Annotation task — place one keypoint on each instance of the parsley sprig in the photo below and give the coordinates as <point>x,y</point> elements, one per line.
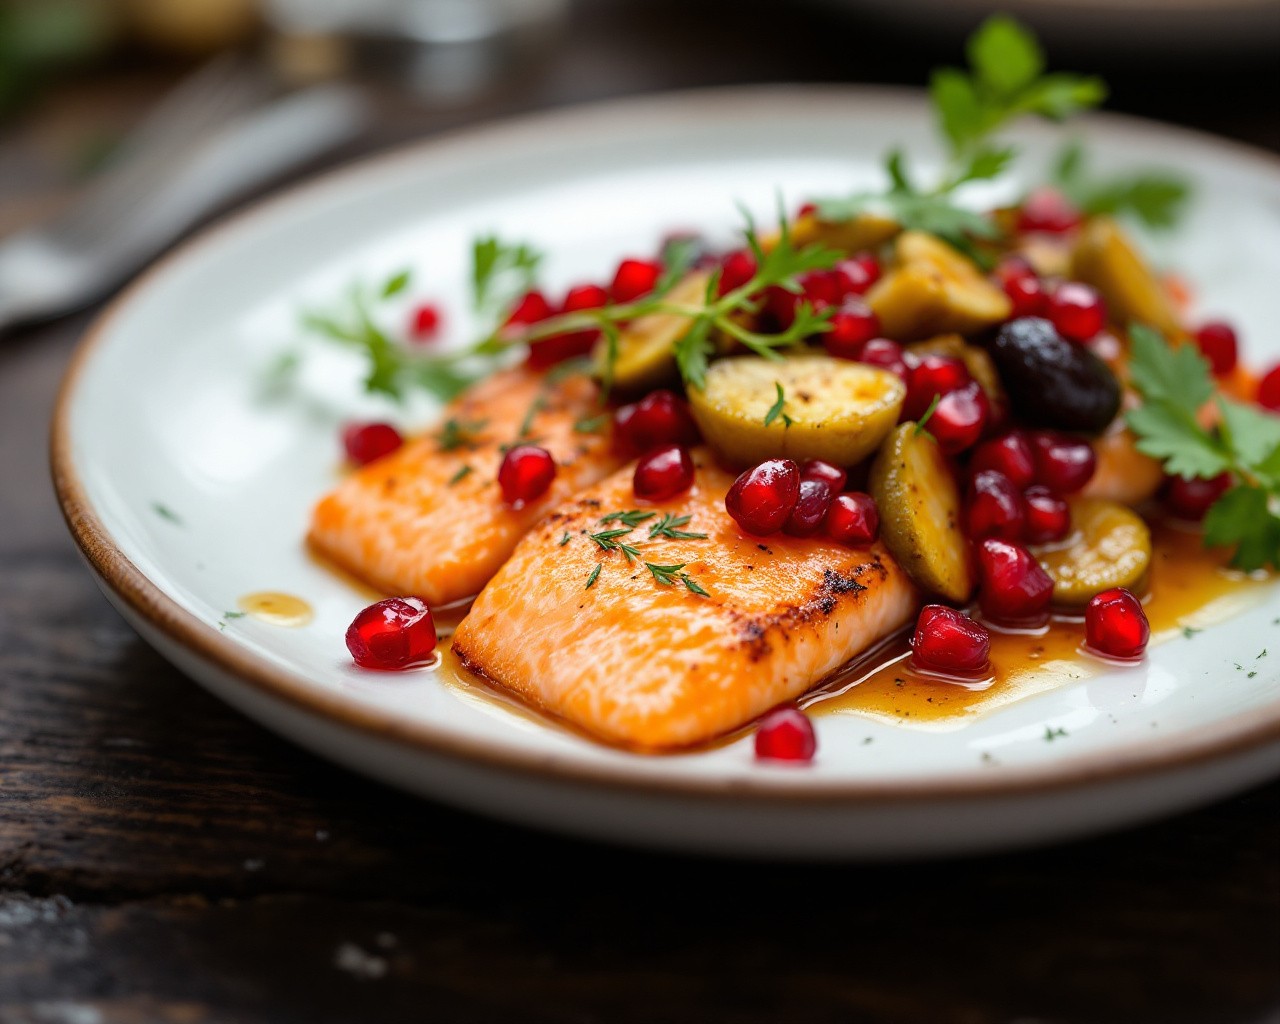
<point>1175,384</point>
<point>500,271</point>
<point>1156,198</point>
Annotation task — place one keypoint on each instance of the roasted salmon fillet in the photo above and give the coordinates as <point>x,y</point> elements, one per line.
<point>428,520</point>
<point>649,664</point>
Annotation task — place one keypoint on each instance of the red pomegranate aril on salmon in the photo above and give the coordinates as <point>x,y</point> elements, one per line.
<point>932,376</point>
<point>949,642</point>
<point>1116,626</point>
<point>1269,390</point>
<point>1190,498</point>
<point>887,355</point>
<point>663,473</point>
<point>1009,454</point>
<point>1048,211</point>
<point>634,279</point>
<point>853,519</point>
<point>811,508</point>
<point>1063,464</point>
<point>557,348</point>
<point>393,634</point>
<point>525,474</point>
<point>850,328</point>
<point>660,417</point>
<point>1015,590</point>
<point>1076,311</point>
<point>858,273</point>
<point>1048,516</point>
<point>959,418</point>
<point>761,499</point>
<point>424,323</point>
<point>785,734</point>
<point>1218,344</point>
<point>833,476</point>
<point>365,442</point>
<point>736,269</point>
<point>994,507</point>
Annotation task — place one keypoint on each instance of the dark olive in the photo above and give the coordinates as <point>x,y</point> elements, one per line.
<point>1052,382</point>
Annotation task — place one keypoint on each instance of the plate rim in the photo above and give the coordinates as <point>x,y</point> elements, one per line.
<point>1238,734</point>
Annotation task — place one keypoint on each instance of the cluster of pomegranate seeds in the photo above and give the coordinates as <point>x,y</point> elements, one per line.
<point>1063,464</point>
<point>950,642</point>
<point>531,308</point>
<point>534,308</point>
<point>886,354</point>
<point>660,417</point>
<point>736,269</point>
<point>663,473</point>
<point>853,519</point>
<point>1048,515</point>
<point>1015,589</point>
<point>525,474</point>
<point>634,279</point>
<point>833,476</point>
<point>365,442</point>
<point>1190,498</point>
<point>1115,625</point>
<point>761,499</point>
<point>1218,343</point>
<point>994,507</point>
<point>1269,390</point>
<point>1076,311</point>
<point>1047,211</point>
<point>814,500</point>
<point>392,634</point>
<point>841,287</point>
<point>852,325</point>
<point>1009,454</point>
<point>932,375</point>
<point>786,734</point>
<point>1023,287</point>
<point>424,323</point>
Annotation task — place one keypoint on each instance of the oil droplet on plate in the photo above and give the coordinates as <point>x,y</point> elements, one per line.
<point>276,609</point>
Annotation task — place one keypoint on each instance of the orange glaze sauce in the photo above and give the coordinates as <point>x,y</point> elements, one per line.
<point>1189,588</point>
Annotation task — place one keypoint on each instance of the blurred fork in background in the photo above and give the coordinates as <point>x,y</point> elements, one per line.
<point>221,132</point>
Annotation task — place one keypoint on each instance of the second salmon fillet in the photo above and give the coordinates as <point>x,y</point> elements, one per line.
<point>649,665</point>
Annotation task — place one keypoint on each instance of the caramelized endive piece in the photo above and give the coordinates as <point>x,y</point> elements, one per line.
<point>429,519</point>
<point>645,665</point>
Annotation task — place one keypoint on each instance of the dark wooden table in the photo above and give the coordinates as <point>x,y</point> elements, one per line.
<point>163,859</point>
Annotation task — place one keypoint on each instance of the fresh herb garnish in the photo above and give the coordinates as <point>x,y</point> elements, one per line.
<point>526,424</point>
<point>669,526</point>
<point>395,284</point>
<point>631,517</point>
<point>564,540</point>
<point>775,410</point>
<point>1052,734</point>
<point>1156,198</point>
<point>669,575</point>
<point>164,512</point>
<point>592,424</point>
<point>1175,383</point>
<point>595,575</point>
<point>928,415</point>
<point>463,472</point>
<point>501,270</point>
<point>455,433</point>
<point>607,540</point>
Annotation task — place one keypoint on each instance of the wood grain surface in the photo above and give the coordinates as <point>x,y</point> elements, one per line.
<point>164,859</point>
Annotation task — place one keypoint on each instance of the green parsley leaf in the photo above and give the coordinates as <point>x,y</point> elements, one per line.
<point>1005,57</point>
<point>775,410</point>
<point>501,270</point>
<point>1244,517</point>
<point>396,284</point>
<point>1155,198</point>
<point>1179,376</point>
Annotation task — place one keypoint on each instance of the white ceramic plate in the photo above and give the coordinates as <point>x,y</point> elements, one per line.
<point>166,406</point>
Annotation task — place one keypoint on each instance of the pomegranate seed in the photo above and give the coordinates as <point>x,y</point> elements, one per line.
<point>1022,286</point>
<point>806,210</point>
<point>1269,390</point>
<point>1190,498</point>
<point>811,508</point>
<point>1047,211</point>
<point>1217,340</point>
<point>661,417</point>
<point>785,734</point>
<point>959,418</point>
<point>634,279</point>
<point>424,325</point>
<point>948,641</point>
<point>887,355</point>
<point>736,269</point>
<point>1015,589</point>
<point>834,476</point>
<point>1115,625</point>
<point>857,274</point>
<point>584,296</point>
<point>558,347</point>
<point>1010,454</point>
<point>994,507</point>
<point>663,473</point>
<point>1048,516</point>
<point>781,306</point>
<point>1076,311</point>
<point>822,288</point>
<point>1063,464</point>
<point>392,634</point>
<point>933,375</point>
<point>852,326</point>
<point>525,474</point>
<point>853,519</point>
<point>531,308</point>
<point>761,499</point>
<point>365,442</point>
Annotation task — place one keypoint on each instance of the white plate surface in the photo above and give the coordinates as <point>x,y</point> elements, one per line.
<point>167,405</point>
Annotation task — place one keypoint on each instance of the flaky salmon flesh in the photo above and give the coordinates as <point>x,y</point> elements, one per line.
<point>651,666</point>
<point>429,519</point>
